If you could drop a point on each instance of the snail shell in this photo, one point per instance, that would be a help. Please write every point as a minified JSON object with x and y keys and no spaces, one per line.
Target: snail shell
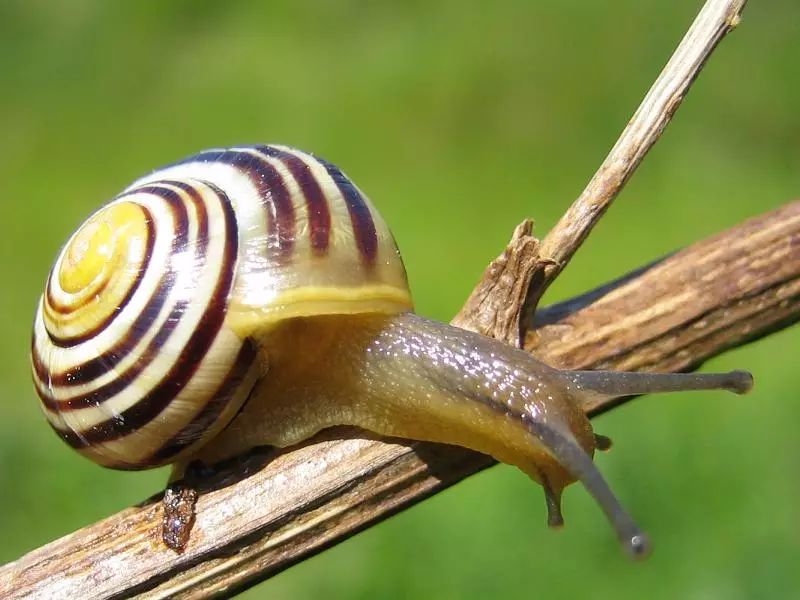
{"x":141,"y":349}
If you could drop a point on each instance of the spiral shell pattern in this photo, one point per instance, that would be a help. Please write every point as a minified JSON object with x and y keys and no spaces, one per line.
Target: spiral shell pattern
{"x":145,"y":342}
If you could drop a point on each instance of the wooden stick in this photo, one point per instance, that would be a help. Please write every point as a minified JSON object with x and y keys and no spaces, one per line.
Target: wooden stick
{"x":498,"y":312}
{"x":267,"y":512}
{"x":715,"y":20}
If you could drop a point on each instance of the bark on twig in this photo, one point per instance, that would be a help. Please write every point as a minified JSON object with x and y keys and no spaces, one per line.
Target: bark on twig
{"x":267,"y":512}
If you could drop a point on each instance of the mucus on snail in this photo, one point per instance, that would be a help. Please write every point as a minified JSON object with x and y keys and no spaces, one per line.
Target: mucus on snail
{"x":253,"y":296}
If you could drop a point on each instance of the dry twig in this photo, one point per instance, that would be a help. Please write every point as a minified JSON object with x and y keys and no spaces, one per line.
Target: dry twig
{"x":487,"y":308}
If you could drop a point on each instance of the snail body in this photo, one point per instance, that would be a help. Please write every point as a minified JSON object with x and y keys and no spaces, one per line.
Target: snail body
{"x":253,"y":296}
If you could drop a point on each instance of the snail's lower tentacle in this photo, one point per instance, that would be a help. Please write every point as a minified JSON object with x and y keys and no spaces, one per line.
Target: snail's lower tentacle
{"x":555,"y":518}
{"x":577,"y":462}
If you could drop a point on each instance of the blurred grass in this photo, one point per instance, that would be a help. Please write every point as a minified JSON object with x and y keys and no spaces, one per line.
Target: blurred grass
{"x":458,"y":119}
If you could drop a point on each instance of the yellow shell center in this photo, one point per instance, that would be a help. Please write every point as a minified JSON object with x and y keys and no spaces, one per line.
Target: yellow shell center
{"x":93,"y":246}
{"x":98,"y":269}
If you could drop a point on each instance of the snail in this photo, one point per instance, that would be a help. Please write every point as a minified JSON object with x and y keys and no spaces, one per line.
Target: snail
{"x":253,"y":296}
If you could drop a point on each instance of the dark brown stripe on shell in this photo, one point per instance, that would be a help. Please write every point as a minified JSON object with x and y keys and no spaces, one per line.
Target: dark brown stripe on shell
{"x":71,"y":341}
{"x":209,"y":414}
{"x":360,"y":216}
{"x":280,"y":217}
{"x":319,"y":214}
{"x":147,"y":408}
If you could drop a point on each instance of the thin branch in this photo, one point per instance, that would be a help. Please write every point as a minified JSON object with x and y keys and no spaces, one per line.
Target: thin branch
{"x":715,"y":20}
{"x":267,"y":512}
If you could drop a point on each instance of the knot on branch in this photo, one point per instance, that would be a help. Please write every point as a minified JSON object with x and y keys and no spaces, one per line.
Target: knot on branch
{"x":501,"y":303}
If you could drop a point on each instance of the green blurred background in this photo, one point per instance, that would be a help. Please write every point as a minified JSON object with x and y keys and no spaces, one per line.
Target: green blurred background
{"x":459,"y":119}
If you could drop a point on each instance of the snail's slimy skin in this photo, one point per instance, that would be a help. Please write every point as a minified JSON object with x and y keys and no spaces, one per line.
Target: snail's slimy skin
{"x":409,"y":377}
{"x":253,"y":296}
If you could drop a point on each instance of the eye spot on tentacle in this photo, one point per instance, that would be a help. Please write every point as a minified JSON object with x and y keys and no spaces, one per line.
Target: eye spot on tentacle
{"x":639,"y":546}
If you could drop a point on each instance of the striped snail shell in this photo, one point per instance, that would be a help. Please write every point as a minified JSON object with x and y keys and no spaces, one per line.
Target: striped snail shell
{"x":141,"y":347}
